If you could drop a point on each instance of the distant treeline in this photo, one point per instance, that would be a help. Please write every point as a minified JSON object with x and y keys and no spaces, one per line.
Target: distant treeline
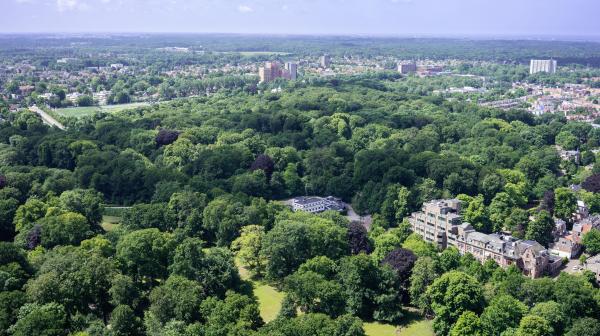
{"x":519,"y":51}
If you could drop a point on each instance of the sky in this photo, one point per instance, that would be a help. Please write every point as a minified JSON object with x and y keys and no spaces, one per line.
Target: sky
{"x":529,"y":18}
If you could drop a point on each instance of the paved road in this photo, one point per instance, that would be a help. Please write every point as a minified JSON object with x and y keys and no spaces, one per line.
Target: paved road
{"x":46,"y":118}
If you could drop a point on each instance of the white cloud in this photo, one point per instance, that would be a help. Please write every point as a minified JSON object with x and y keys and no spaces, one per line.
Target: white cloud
{"x":245,"y":9}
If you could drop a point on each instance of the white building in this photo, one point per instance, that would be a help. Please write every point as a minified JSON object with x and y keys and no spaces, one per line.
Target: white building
{"x":72,"y":97}
{"x":101,"y":97}
{"x":317,"y":204}
{"x":548,"y":66}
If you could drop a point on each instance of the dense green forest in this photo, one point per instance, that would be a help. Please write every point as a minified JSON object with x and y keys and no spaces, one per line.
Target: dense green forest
{"x":197,"y":183}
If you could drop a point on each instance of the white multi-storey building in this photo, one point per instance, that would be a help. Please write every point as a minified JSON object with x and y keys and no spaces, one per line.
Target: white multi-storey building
{"x":548,"y":66}
{"x":317,"y":204}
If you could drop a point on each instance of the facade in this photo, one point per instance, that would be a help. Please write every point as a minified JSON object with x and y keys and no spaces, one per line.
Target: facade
{"x":593,"y":265}
{"x":565,"y":247}
{"x":570,"y":155}
{"x":72,"y":97}
{"x":582,"y":211}
{"x":548,"y":66}
{"x":271,"y":71}
{"x":325,"y":61}
{"x":583,"y":226}
{"x":406,"y":68}
{"x":317,"y":204}
{"x":439,"y":223}
{"x":429,"y":70}
{"x":435,"y":220}
{"x":101,"y":97}
{"x":292,"y":69}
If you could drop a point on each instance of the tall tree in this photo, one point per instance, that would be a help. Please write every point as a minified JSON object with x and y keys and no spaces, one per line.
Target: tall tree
{"x":504,"y":312}
{"x":45,"y":320}
{"x":532,"y":325}
{"x":468,"y":324}
{"x":585,"y":326}
{"x":451,"y":295}
{"x":248,"y":248}
{"x":144,"y":254}
{"x":565,"y":203}
{"x":358,"y":239}
{"x":541,"y":228}
{"x":591,"y":241}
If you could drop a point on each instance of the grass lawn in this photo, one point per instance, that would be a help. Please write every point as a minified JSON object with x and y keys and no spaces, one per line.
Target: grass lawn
{"x":83,"y":111}
{"x":418,"y":328}
{"x":121,"y":107}
{"x":77,"y":112}
{"x":110,"y":223}
{"x":379,"y":329}
{"x":269,"y":300}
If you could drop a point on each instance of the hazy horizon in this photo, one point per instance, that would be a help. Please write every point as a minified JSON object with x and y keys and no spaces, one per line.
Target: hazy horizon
{"x":534,"y":19}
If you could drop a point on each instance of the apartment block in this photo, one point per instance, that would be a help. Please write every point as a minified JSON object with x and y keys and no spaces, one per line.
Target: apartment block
{"x":325,"y":61}
{"x":292,"y":69}
{"x":406,"y":68}
{"x":548,"y":66}
{"x":435,"y":220}
{"x":440,"y":223}
{"x":272,"y":70}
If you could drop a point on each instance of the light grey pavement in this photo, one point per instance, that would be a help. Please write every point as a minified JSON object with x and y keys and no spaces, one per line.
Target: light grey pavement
{"x":46,"y":118}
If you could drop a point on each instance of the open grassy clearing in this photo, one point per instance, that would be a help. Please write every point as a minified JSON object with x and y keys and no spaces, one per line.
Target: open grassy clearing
{"x":379,"y":329}
{"x":77,"y":112}
{"x":255,"y":53}
{"x":269,"y":300}
{"x":83,"y":111}
{"x":418,"y":328}
{"x":110,"y":223}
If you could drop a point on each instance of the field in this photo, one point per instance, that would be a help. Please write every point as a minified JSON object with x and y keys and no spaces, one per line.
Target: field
{"x":83,"y":111}
{"x":269,"y":300}
{"x":109,"y":223}
{"x":255,"y":53}
{"x":379,"y":329}
{"x":418,"y":328}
